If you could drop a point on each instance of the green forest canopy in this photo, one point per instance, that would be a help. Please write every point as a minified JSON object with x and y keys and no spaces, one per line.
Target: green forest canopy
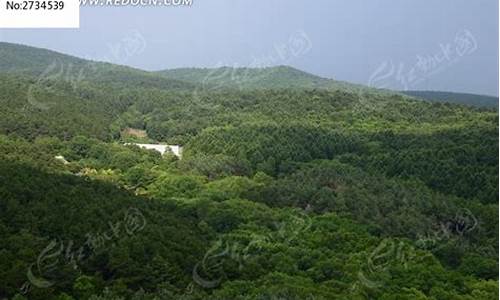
{"x":300,"y":188}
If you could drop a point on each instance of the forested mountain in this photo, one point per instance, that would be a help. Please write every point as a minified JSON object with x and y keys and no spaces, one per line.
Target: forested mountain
{"x":457,"y":98}
{"x":46,"y":65}
{"x":20,"y":58}
{"x":290,"y":186}
{"x":280,"y":77}
{"x":285,"y":77}
{"x":269,"y":77}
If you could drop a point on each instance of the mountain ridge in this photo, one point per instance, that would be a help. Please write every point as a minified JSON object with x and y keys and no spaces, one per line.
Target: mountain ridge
{"x":19,"y":59}
{"x":50,"y":64}
{"x":470,"y":99}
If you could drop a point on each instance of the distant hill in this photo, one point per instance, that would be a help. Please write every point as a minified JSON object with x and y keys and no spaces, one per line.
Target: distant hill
{"x":60,"y":95}
{"x":279,"y":77}
{"x":27,"y":59}
{"x":456,"y":98}
{"x":50,"y":65}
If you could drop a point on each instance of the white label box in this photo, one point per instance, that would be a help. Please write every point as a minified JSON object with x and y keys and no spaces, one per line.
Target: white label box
{"x":39,"y":14}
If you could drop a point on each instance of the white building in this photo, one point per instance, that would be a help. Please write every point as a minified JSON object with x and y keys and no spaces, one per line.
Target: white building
{"x":61,"y":159}
{"x":176,"y":149}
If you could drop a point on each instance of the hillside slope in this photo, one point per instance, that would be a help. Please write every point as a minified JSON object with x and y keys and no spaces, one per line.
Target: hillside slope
{"x":279,"y":77}
{"x":456,"y":98}
{"x":44,"y":65}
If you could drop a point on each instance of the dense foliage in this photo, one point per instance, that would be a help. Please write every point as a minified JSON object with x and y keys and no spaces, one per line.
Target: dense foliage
{"x":302,"y":188}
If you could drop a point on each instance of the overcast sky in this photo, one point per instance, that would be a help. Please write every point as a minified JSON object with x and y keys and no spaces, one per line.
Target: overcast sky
{"x":449,"y":45}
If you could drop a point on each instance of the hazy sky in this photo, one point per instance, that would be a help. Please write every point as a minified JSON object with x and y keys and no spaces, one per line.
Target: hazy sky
{"x":447,"y":45}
